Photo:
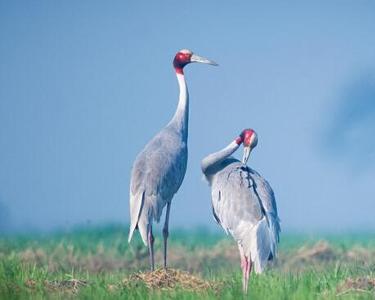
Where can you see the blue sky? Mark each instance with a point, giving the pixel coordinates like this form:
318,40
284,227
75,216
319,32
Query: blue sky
85,84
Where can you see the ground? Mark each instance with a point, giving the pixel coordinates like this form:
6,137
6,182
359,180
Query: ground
95,263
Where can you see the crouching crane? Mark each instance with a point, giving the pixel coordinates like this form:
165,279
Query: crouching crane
243,203
160,167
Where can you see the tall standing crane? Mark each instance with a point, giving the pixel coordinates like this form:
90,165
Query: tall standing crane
160,167
243,203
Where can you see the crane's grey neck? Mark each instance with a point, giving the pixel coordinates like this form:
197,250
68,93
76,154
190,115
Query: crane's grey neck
180,119
213,160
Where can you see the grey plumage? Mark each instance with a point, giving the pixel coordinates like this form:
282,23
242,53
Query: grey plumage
244,205
241,200
157,174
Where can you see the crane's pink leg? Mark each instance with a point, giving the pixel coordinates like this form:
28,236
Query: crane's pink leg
246,267
166,233
248,271
243,267
150,240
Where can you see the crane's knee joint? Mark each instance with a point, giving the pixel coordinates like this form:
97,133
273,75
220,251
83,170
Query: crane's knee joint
151,238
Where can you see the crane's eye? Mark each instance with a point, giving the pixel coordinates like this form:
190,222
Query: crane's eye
184,57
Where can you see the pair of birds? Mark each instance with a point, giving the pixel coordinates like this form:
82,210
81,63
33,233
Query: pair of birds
243,202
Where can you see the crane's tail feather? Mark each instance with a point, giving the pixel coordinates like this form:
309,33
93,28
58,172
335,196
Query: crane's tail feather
136,205
274,230
257,244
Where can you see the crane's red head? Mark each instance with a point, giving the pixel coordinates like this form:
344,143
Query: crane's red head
181,59
185,56
249,138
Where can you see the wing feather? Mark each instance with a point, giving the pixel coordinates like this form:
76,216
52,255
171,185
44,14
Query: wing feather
268,202
232,196
136,205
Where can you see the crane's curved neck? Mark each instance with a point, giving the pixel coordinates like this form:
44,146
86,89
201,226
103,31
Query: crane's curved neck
212,160
181,117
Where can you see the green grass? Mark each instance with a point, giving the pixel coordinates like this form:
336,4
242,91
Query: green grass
38,266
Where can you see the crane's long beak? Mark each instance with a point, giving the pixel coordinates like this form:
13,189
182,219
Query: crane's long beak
200,59
246,154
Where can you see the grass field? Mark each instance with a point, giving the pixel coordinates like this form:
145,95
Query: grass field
98,263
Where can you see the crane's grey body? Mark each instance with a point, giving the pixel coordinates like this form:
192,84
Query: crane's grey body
243,203
157,174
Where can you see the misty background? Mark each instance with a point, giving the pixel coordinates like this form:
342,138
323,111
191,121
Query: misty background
84,85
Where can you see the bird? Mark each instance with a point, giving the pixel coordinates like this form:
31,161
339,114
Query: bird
159,169
244,204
